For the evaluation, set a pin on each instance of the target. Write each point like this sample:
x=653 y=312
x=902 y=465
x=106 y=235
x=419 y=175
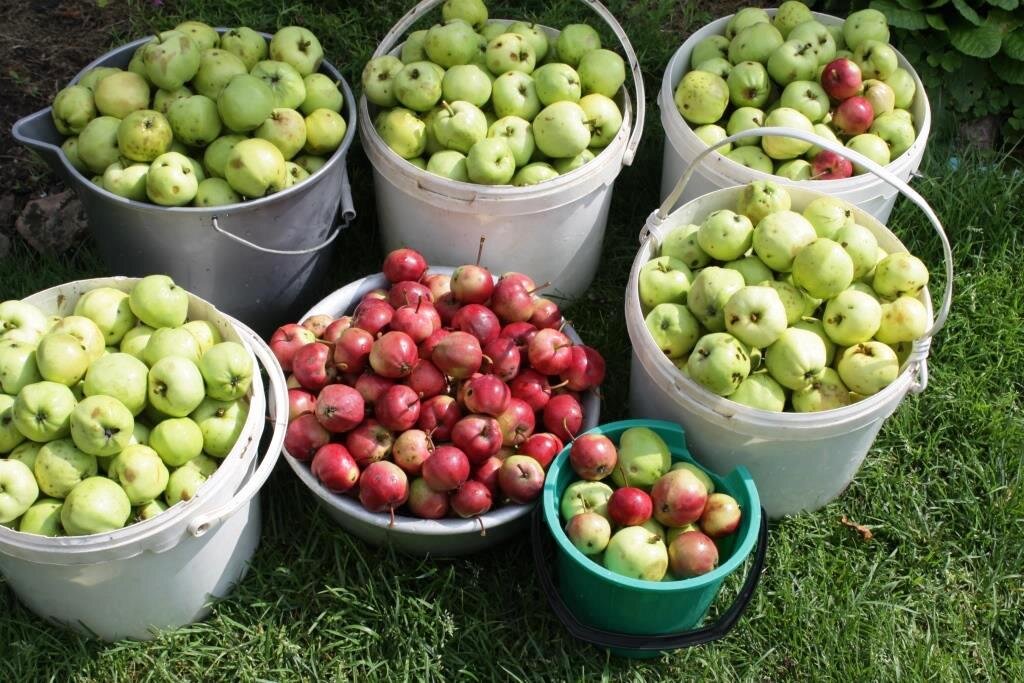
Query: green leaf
x=980 y=41
x=898 y=17
x=968 y=12
x=1010 y=70
x=1013 y=45
x=916 y=5
x=936 y=22
x=951 y=61
x=1008 y=5
x=938 y=3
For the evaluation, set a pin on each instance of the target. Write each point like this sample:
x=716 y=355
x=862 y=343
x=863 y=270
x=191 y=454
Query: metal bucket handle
x=278 y=407
x=347 y=212
x=420 y=10
x=625 y=641
x=655 y=220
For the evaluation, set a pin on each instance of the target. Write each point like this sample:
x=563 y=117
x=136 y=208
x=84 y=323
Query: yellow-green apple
x=175 y=386
x=673 y=328
x=171 y=180
x=101 y=425
x=825 y=392
x=227 y=370
x=183 y=484
x=221 y=423
x=466 y=83
x=84 y=330
x=140 y=472
x=298 y=47
x=725 y=235
x=603 y=117
x=710 y=290
x=749 y=85
x=62 y=358
x=719 y=363
x=135 y=340
x=531 y=174
x=284 y=81
x=255 y=167
x=643 y=458
x=904 y=319
x=637 y=553
x=829 y=215
x=246 y=44
x=60 y=466
x=171 y=61
x=378 y=80
x=868 y=368
x=97 y=143
x=754 y=43
x=402 y=131
x=18 y=490
x=73 y=108
x=780 y=236
x=177 y=441
x=575 y=41
x=515 y=94
x=702 y=97
x=43 y=518
x=245 y=103
x=158 y=302
x=94 y=506
x=663 y=280
x=589 y=532
x=323 y=93
x=203 y=35
x=755 y=315
x=760 y=391
x=490 y=162
x=506 y=52
x=556 y=82
x=449 y=164
x=121 y=93
x=852 y=317
x=17 y=366
x=585 y=496
x=216 y=192
x=782 y=147
x=796 y=359
x=753 y=269
x=121 y=376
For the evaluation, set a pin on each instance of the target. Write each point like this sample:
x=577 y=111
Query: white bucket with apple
x=163 y=572
x=800 y=460
x=683 y=146
x=553 y=230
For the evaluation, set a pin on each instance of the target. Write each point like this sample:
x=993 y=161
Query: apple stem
x=448 y=107
x=418 y=302
x=480 y=250
x=539 y=287
x=565 y=426
x=559 y=385
x=562 y=325
x=483 y=529
x=392 y=511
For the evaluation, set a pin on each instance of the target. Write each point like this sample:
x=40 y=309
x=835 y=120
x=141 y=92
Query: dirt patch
x=42 y=45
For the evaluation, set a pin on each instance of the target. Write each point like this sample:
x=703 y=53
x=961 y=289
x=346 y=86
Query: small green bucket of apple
x=640 y=565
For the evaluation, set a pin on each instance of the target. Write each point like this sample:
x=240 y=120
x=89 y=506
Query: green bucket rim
x=677 y=445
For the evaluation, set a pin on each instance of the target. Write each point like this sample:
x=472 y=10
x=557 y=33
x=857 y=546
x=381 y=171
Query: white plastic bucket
x=161 y=573
x=682 y=145
x=800 y=461
x=553 y=230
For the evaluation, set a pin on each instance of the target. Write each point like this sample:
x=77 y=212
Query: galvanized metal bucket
x=257 y=261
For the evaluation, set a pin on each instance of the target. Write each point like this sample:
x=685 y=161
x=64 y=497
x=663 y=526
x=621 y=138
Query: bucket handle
x=278 y=406
x=624 y=641
x=657 y=218
x=420 y=10
x=346 y=209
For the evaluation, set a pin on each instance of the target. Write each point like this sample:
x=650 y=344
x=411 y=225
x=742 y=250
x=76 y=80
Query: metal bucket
x=257 y=261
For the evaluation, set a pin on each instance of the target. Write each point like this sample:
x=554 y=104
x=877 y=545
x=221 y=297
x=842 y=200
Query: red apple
x=520 y=333
x=472 y=499
x=372 y=386
x=383 y=486
x=828 y=165
x=586 y=369
x=409 y=294
x=563 y=416
x=486 y=394
x=369 y=442
x=335 y=468
x=721 y=515
x=458 y=355
x=438 y=284
x=853 y=116
x=335 y=329
x=426 y=347
x=288 y=339
x=378 y=294
x=317 y=324
x=479 y=321
x=437 y=417
x=532 y=387
x=472 y=284
x=487 y=473
x=300 y=402
x=398 y=408
x=447 y=469
x=425 y=502
x=692 y=553
x=419 y=320
x=521 y=478
x=841 y=79
x=542 y=447
x=501 y=358
x=679 y=498
x=411 y=450
x=394 y=355
x=478 y=436
x=546 y=314
x=339 y=408
x=511 y=301
x=447 y=307
x=629 y=506
x=304 y=436
x=352 y=350
x=311 y=365
x=550 y=352
x=426 y=380
x=404 y=264
x=517 y=423
x=525 y=280
x=373 y=316
x=593 y=456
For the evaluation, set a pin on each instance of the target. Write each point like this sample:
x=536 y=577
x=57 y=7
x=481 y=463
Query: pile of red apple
x=662 y=520
x=430 y=394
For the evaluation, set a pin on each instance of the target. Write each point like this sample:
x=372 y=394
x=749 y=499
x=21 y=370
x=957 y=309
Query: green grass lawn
x=936 y=594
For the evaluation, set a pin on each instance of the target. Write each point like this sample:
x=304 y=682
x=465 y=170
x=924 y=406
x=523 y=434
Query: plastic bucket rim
x=179 y=514
x=408 y=525
x=338 y=156
x=705 y=400
x=741 y=551
x=375 y=144
x=666 y=104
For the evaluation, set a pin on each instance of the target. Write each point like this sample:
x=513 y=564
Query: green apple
x=898 y=274
x=294 y=174
x=603 y=117
x=18 y=490
x=84 y=330
x=852 y=317
x=413 y=49
x=904 y=319
x=862 y=247
x=473 y=12
x=101 y=425
x=216 y=69
x=575 y=41
x=92 y=77
x=719 y=67
x=756 y=316
x=569 y=165
x=795 y=169
x=744 y=118
x=510 y=52
x=681 y=243
x=163 y=99
x=585 y=496
x=321 y=93
x=451 y=43
x=515 y=94
x=159 y=302
x=562 y=130
x=602 y=72
x=70 y=149
x=673 y=328
x=168 y=341
x=459 y=126
x=822 y=131
x=753 y=158
x=244 y=103
x=712 y=47
x=171 y=61
x=109 y=309
x=881 y=96
x=868 y=368
x=725 y=235
x=760 y=391
x=21 y=321
x=378 y=80
x=284 y=81
x=780 y=236
x=876 y=60
x=829 y=215
x=823 y=269
x=532 y=174
x=175 y=386
x=865 y=25
x=808 y=98
x=73 y=108
x=96 y=505
x=903 y=87
x=418 y=86
x=215 y=158
x=781 y=147
x=794 y=60
x=43 y=518
x=533 y=34
x=403 y=132
x=194 y=120
x=518 y=134
x=719 y=363
x=711 y=134
x=747 y=16
x=128 y=182
x=466 y=83
x=183 y=484
x=140 y=472
x=449 y=164
x=298 y=47
x=702 y=97
x=637 y=553
x=825 y=392
x=227 y=370
x=121 y=93
x=589 y=532
x=490 y=162
x=171 y=180
x=755 y=43
x=663 y=280
x=42 y=411
x=60 y=466
x=216 y=192
x=643 y=458
x=221 y=423
x=557 y=82
x=818 y=327
x=121 y=376
x=285 y=129
x=177 y=441
x=97 y=144
x=135 y=340
x=10 y=435
x=791 y=14
x=896 y=131
x=709 y=291
x=205 y=333
x=255 y=167
x=753 y=269
x=821 y=39
x=871 y=146
x=246 y=44
x=749 y=85
x=18 y=366
x=150 y=510
x=796 y=358
x=62 y=358
x=203 y=35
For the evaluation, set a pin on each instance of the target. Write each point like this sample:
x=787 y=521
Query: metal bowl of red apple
x=419 y=498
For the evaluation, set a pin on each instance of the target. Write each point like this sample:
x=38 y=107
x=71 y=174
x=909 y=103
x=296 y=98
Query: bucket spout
x=37 y=132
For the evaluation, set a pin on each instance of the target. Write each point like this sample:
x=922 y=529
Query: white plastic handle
x=420 y=10
x=278 y=407
x=655 y=220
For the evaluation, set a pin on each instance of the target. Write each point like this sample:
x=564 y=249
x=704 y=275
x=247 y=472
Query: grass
x=935 y=595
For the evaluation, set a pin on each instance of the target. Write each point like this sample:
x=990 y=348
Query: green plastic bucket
x=631 y=617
